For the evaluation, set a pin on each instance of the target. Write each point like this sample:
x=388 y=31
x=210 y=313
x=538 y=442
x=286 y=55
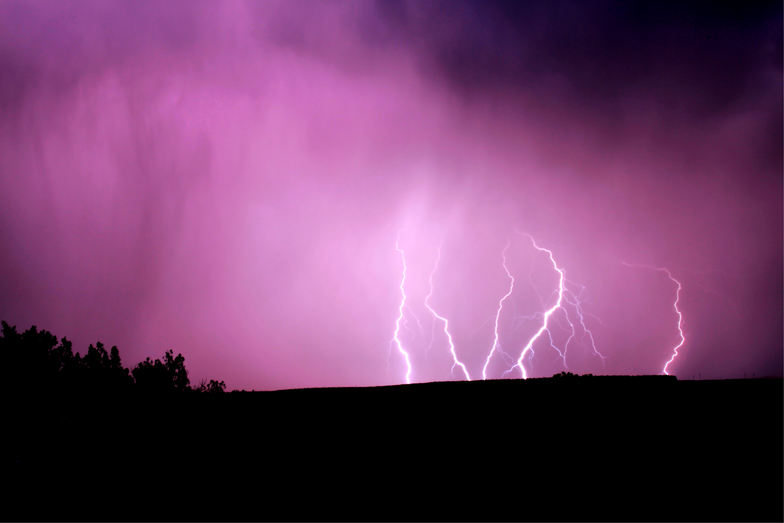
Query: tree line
x=37 y=360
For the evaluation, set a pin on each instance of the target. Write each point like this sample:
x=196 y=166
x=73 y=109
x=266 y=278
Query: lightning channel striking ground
x=680 y=320
x=578 y=307
x=498 y=312
x=443 y=320
x=678 y=312
x=396 y=336
x=529 y=346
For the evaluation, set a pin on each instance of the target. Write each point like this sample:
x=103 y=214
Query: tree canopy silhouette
x=212 y=386
x=162 y=376
x=36 y=360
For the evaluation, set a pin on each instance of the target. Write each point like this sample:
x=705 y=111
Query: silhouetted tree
x=213 y=386
x=99 y=369
x=34 y=360
x=175 y=366
x=162 y=376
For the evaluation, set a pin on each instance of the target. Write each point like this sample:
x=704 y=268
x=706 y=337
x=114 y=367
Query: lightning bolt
x=401 y=307
x=678 y=312
x=528 y=348
x=680 y=321
x=498 y=312
x=564 y=296
x=566 y=299
x=416 y=320
x=549 y=312
x=576 y=303
x=443 y=320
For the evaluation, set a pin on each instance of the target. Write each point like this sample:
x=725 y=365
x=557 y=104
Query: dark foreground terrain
x=585 y=448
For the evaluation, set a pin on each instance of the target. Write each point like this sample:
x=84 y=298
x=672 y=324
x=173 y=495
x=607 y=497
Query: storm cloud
x=229 y=179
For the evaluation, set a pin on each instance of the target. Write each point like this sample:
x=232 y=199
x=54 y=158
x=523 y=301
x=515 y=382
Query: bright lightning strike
x=529 y=346
x=444 y=321
x=566 y=299
x=678 y=312
x=402 y=306
x=498 y=312
x=680 y=321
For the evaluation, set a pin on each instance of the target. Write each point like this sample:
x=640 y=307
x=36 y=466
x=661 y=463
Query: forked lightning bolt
x=576 y=303
x=443 y=320
x=561 y=278
x=566 y=299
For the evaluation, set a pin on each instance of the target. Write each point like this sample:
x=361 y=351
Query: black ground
x=587 y=448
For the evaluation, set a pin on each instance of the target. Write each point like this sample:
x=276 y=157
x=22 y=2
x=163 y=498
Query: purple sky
x=228 y=179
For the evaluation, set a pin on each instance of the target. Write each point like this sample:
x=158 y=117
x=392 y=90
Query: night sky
x=229 y=179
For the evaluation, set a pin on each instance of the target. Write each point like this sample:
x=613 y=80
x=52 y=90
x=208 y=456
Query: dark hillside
x=567 y=448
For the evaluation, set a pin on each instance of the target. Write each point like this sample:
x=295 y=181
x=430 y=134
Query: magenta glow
x=228 y=179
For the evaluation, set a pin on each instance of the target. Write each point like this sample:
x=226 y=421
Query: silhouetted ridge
x=566 y=448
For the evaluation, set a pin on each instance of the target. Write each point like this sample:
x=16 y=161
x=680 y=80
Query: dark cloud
x=602 y=50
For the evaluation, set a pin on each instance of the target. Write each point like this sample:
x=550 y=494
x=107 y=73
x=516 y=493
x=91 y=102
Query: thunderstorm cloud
x=229 y=178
